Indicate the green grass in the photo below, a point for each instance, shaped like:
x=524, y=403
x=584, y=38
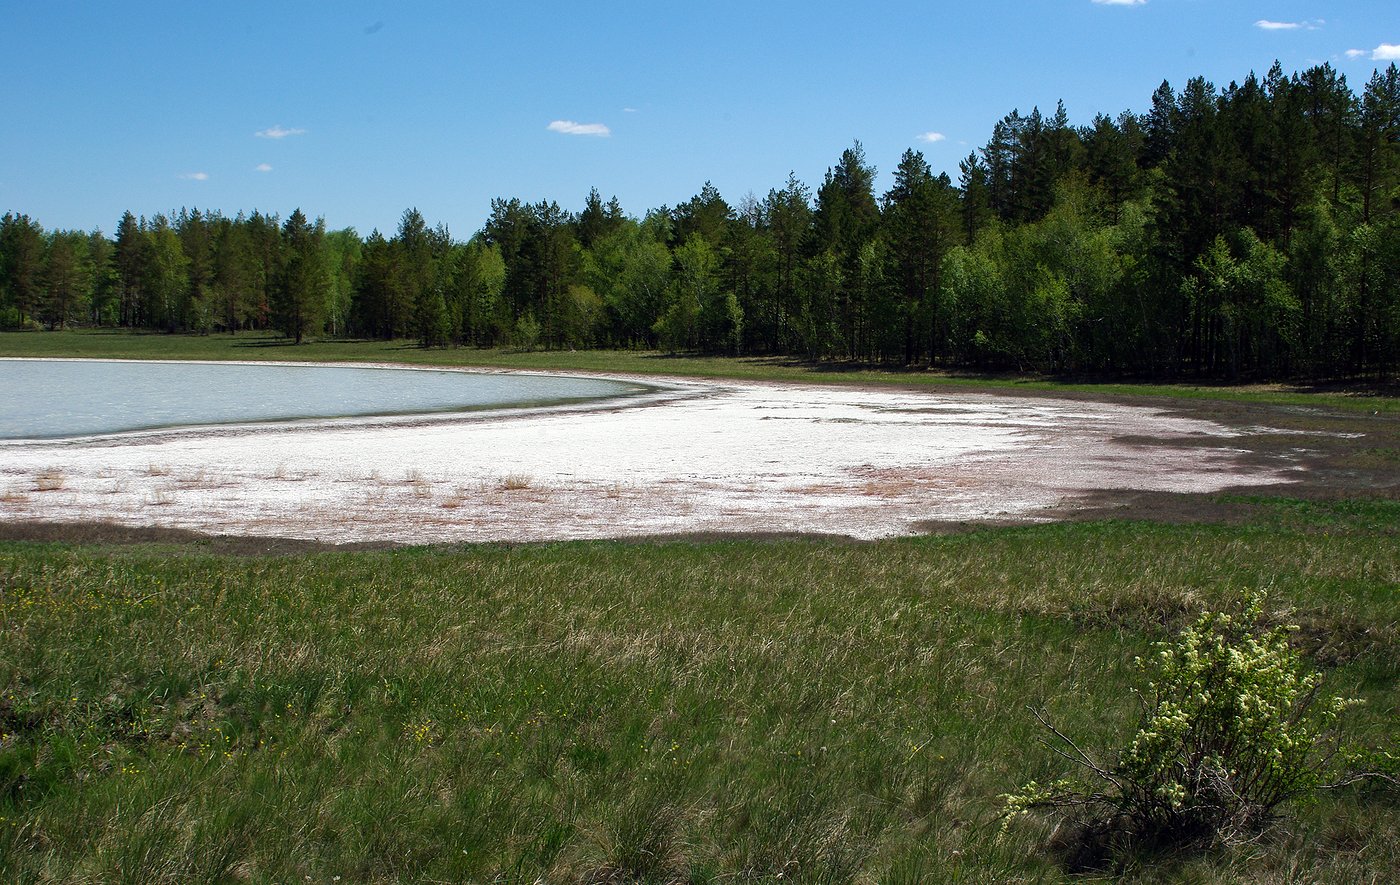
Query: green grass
x=737, y=710
x=115, y=344
x=587, y=712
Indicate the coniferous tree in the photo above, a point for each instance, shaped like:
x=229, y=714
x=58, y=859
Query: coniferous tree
x=376, y=279
x=231, y=283
x=919, y=228
x=788, y=213
x=1110, y=158
x=706, y=214
x=21, y=267
x=1159, y=127
x=102, y=280
x=974, y=195
x=131, y=248
x=65, y=278
x=597, y=220
x=265, y=239
x=845, y=218
x=749, y=272
x=1379, y=144
x=299, y=299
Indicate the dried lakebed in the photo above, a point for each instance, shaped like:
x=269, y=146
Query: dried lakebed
x=685, y=457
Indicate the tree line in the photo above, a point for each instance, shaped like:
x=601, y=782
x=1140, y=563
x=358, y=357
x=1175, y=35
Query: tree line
x=1245, y=231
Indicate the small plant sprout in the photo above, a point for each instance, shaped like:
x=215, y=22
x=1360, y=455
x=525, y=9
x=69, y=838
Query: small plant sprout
x=1232, y=727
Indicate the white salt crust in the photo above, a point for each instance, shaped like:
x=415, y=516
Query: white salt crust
x=691, y=458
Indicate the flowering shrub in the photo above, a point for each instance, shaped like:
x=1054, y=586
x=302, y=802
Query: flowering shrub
x=1232, y=727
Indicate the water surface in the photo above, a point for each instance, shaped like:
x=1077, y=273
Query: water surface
x=53, y=399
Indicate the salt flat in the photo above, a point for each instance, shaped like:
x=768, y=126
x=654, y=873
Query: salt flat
x=697, y=457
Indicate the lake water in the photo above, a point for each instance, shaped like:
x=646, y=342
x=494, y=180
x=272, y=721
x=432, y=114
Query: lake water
x=52, y=399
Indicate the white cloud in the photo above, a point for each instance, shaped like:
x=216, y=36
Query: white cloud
x=629, y=110
x=1356, y=53
x=195, y=176
x=569, y=127
x=1265, y=25
x=932, y=137
x=278, y=132
x=1120, y=2
x=263, y=167
x=1386, y=52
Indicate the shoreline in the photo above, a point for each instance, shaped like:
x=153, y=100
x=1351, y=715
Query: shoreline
x=654, y=391
x=699, y=458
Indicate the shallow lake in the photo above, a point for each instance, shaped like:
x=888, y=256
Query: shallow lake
x=52, y=399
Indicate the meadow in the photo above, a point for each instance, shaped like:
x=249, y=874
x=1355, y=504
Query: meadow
x=680, y=711
x=675, y=710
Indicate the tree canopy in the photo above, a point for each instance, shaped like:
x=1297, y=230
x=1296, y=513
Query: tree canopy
x=1249, y=231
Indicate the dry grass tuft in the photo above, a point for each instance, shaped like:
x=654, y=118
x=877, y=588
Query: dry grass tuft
x=197, y=479
x=455, y=498
x=418, y=484
x=514, y=482
x=50, y=481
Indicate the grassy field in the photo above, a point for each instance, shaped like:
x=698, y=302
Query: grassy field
x=682, y=711
x=115, y=344
x=589, y=712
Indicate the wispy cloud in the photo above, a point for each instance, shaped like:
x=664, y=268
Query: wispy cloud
x=629, y=110
x=1120, y=2
x=569, y=127
x=278, y=132
x=263, y=167
x=195, y=176
x=1265, y=25
x=933, y=137
x=1383, y=52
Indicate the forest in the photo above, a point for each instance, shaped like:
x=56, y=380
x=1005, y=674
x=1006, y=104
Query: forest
x=1244, y=232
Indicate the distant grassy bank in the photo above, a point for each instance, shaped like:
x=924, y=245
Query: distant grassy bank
x=588, y=712
x=121, y=344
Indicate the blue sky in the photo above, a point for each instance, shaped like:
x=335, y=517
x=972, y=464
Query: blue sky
x=355, y=111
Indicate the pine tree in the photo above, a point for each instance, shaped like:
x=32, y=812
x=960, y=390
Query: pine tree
x=21, y=266
x=300, y=291
x=919, y=227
